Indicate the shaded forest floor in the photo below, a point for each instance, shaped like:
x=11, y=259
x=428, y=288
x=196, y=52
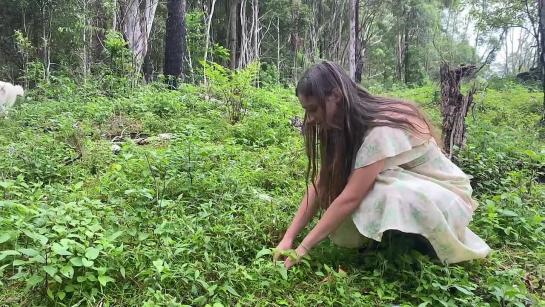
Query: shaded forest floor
x=186, y=209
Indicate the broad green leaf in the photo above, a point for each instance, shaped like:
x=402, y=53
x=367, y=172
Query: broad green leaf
x=158, y=265
x=67, y=271
x=87, y=263
x=76, y=261
x=91, y=253
x=61, y=295
x=10, y=252
x=60, y=250
x=17, y=262
x=51, y=270
x=122, y=271
x=5, y=237
x=38, y=259
x=103, y=279
x=263, y=252
x=29, y=252
x=34, y=280
x=36, y=236
x=57, y=278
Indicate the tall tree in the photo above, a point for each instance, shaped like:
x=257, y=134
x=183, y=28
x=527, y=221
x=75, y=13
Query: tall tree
x=352, y=39
x=233, y=42
x=541, y=13
x=137, y=21
x=175, y=42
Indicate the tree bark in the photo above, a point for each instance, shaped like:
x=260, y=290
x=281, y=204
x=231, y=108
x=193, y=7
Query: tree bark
x=295, y=36
x=352, y=41
x=233, y=43
x=541, y=13
x=255, y=30
x=175, y=42
x=359, y=45
x=208, y=25
x=137, y=20
x=244, y=49
x=454, y=105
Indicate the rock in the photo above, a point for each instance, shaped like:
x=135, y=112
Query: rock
x=165, y=136
x=142, y=141
x=116, y=149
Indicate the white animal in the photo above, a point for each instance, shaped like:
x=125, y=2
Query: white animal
x=8, y=96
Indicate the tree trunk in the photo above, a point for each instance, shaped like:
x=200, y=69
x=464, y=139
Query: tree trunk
x=137, y=20
x=541, y=12
x=233, y=21
x=277, y=50
x=244, y=49
x=295, y=36
x=352, y=41
x=46, y=39
x=359, y=45
x=114, y=15
x=255, y=32
x=406, y=55
x=175, y=42
x=208, y=25
x=454, y=105
x=147, y=67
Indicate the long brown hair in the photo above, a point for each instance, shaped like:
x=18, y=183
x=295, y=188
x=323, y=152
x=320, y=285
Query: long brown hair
x=334, y=147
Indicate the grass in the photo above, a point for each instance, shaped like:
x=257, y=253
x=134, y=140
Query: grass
x=191, y=219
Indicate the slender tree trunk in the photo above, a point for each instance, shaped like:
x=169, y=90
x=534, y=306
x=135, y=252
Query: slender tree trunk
x=233, y=44
x=207, y=39
x=175, y=42
x=278, y=49
x=85, y=50
x=406, y=55
x=541, y=13
x=295, y=36
x=255, y=27
x=359, y=45
x=46, y=35
x=506, y=66
x=114, y=15
x=399, y=66
x=244, y=47
x=352, y=41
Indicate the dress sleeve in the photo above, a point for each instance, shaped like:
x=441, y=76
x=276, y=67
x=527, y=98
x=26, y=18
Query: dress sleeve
x=394, y=145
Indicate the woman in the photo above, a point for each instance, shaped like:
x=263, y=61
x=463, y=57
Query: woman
x=375, y=167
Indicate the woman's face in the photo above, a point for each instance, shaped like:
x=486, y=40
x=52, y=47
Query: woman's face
x=315, y=111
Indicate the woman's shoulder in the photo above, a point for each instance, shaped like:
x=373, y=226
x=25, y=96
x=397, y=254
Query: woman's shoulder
x=392, y=133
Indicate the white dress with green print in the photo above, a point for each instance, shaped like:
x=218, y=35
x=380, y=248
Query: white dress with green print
x=419, y=191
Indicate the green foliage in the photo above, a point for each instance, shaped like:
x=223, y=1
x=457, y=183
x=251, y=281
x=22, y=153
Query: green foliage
x=190, y=220
x=232, y=87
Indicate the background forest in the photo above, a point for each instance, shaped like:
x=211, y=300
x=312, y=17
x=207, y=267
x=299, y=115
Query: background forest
x=156, y=157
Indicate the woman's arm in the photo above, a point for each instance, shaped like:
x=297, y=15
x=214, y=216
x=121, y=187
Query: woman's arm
x=307, y=210
x=359, y=184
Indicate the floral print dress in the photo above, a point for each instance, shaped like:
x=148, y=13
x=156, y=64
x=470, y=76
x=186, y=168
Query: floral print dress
x=419, y=191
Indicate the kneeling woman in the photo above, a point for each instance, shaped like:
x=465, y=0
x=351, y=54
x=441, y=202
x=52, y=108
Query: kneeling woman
x=376, y=168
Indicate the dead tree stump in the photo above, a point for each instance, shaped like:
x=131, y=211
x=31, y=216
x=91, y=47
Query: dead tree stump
x=454, y=105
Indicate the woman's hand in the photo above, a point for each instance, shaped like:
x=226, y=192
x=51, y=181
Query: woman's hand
x=283, y=246
x=299, y=252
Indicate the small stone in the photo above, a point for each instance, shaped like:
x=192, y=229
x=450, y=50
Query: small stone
x=116, y=149
x=165, y=136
